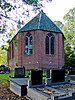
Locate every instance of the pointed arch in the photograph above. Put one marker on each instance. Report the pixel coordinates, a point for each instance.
(49, 44)
(28, 44)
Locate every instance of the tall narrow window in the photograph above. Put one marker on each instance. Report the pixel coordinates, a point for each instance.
(49, 44)
(28, 44)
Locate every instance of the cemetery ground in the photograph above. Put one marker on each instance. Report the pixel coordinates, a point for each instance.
(5, 93)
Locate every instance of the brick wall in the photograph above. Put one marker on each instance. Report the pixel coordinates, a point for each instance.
(39, 59)
(13, 58)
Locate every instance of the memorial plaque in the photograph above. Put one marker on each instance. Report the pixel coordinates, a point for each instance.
(19, 72)
(58, 76)
(36, 77)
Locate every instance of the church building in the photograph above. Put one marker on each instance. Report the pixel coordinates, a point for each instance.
(37, 45)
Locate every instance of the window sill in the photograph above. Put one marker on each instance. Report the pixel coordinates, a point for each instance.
(50, 54)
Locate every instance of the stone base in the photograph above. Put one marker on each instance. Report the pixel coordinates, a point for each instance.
(19, 86)
(37, 95)
(48, 81)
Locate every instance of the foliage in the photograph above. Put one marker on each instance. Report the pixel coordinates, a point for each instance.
(19, 24)
(11, 34)
(69, 57)
(4, 48)
(69, 26)
(33, 2)
(5, 8)
(69, 32)
(2, 56)
(59, 24)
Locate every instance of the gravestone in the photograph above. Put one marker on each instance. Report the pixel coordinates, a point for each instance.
(18, 83)
(36, 77)
(58, 76)
(19, 72)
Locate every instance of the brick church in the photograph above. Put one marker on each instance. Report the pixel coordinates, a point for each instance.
(37, 45)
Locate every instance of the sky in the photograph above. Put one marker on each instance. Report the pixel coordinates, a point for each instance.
(58, 8)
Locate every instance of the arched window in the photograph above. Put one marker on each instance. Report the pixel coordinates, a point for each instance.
(49, 44)
(28, 44)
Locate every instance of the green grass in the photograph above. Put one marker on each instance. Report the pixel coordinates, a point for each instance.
(4, 78)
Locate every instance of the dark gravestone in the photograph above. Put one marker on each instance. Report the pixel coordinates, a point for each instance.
(19, 72)
(58, 76)
(36, 77)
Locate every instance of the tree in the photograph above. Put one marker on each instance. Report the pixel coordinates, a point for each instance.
(5, 8)
(10, 35)
(59, 24)
(69, 26)
(69, 57)
(69, 32)
(4, 48)
(68, 29)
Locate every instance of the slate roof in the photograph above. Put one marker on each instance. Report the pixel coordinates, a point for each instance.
(40, 22)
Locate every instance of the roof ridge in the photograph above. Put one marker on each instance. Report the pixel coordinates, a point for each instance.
(40, 14)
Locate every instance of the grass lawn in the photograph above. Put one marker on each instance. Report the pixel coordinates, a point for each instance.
(4, 78)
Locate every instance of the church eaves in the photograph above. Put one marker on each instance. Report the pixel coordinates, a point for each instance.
(40, 22)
